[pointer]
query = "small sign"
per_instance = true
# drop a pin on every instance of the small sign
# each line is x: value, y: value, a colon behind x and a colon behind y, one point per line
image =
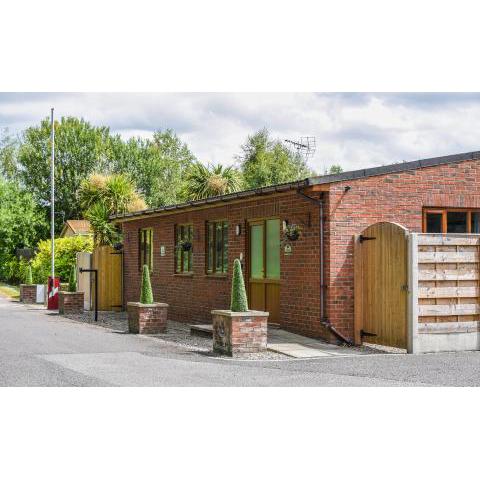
x: 288, y: 249
x: 162, y: 250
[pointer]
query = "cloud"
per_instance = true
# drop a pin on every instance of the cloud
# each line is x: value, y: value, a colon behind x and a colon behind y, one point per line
x: 355, y: 130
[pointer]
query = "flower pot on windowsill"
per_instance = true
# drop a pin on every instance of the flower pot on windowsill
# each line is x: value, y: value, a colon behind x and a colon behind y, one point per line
x: 147, y: 319
x: 235, y: 333
x: 186, y: 246
x: 70, y: 302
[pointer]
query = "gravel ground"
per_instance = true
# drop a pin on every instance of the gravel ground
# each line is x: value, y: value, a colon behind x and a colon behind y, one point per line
x: 177, y: 333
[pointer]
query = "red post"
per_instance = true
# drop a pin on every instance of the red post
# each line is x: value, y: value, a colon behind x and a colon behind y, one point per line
x: 53, y: 288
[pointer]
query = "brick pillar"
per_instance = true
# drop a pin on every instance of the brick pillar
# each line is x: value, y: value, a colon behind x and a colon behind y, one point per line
x: 147, y: 319
x: 70, y: 302
x: 28, y: 293
x: 235, y: 333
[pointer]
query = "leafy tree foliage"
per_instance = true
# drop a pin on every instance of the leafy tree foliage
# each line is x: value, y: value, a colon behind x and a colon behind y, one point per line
x: 334, y: 169
x: 159, y: 166
x: 265, y: 161
x: 80, y: 149
x: 22, y: 224
x: 208, y: 181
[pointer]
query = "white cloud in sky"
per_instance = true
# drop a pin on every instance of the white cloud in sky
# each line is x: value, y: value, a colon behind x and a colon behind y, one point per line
x: 355, y: 130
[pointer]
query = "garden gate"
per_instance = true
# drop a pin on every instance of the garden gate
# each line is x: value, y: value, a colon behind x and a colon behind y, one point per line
x: 108, y: 262
x: 381, y: 285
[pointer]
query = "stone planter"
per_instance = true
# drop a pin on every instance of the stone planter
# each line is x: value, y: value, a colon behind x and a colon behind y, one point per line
x: 28, y: 293
x: 70, y: 302
x: 147, y: 319
x: 239, y: 332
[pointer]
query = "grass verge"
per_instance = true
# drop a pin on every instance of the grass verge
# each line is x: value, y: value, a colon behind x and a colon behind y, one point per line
x: 9, y: 291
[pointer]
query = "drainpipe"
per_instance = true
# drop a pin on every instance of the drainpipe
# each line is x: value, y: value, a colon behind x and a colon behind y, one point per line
x: 323, y: 317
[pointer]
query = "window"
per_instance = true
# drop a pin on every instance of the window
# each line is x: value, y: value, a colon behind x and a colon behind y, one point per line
x: 451, y: 220
x: 217, y: 247
x: 145, y: 248
x: 183, y: 248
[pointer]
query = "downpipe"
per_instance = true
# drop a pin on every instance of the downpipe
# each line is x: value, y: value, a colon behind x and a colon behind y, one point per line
x: 324, y: 321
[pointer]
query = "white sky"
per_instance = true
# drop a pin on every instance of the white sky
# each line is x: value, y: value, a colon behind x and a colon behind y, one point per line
x: 356, y: 130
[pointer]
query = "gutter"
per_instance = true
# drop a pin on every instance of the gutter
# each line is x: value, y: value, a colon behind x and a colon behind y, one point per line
x: 324, y: 321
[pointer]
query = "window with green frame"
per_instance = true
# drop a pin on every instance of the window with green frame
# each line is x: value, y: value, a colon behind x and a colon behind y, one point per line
x: 145, y: 248
x: 217, y: 247
x: 183, y: 248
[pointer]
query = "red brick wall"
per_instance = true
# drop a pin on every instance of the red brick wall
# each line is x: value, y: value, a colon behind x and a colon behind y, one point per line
x: 398, y: 198
x: 191, y: 298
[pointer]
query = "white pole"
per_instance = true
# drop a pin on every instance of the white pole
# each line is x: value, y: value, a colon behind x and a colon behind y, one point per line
x: 52, y: 199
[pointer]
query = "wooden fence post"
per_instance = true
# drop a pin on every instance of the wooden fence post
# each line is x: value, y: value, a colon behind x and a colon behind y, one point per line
x: 412, y: 310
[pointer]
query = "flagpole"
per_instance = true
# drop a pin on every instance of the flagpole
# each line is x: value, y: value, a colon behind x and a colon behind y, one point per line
x: 52, y: 199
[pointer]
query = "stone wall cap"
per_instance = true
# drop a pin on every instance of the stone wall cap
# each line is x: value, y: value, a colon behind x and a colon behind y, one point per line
x: 250, y: 313
x: 66, y: 292
x: 138, y: 304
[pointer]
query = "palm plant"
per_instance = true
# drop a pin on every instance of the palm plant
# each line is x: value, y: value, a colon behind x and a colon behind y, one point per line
x: 102, y: 196
x: 211, y: 180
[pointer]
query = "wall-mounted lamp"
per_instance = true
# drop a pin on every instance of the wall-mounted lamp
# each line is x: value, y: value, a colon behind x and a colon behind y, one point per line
x: 347, y: 188
x: 238, y: 229
x: 284, y: 225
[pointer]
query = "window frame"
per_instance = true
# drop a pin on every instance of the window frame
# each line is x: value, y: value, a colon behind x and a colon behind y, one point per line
x: 444, y: 211
x: 142, y: 250
x: 214, y: 271
x: 178, y: 250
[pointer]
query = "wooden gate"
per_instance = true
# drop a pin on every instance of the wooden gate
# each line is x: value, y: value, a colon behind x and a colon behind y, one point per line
x: 108, y: 263
x: 381, y: 285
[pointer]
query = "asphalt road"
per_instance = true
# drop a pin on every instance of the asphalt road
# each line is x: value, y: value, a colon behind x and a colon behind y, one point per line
x: 38, y: 348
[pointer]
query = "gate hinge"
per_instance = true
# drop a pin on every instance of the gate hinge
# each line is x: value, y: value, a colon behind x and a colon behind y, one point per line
x: 363, y: 333
x: 363, y: 238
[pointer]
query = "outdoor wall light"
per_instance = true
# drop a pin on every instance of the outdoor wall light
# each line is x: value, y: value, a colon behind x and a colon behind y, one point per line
x: 347, y: 188
x: 238, y: 229
x: 284, y: 225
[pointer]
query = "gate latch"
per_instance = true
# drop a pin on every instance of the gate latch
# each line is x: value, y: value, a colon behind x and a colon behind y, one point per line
x: 363, y: 238
x: 363, y: 333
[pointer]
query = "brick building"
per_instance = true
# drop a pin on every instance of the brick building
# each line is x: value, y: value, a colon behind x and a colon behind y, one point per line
x: 307, y: 284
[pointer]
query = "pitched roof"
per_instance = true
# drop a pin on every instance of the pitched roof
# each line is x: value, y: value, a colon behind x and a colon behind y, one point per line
x: 318, y: 180
x: 79, y: 227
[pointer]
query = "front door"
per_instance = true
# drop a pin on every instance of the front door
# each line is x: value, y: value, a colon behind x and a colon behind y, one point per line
x: 264, y: 267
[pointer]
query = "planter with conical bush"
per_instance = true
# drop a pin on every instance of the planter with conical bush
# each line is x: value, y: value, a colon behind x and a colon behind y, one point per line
x: 239, y: 330
x: 146, y: 316
x: 28, y: 290
x: 71, y: 301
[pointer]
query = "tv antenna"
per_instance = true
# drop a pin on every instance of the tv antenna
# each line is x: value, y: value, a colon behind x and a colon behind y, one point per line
x: 304, y: 147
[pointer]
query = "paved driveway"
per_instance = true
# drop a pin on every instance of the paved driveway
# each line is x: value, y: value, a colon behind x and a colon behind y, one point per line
x: 38, y: 348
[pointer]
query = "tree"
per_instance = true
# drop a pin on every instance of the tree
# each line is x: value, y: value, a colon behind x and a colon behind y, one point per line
x: 101, y: 196
x: 265, y: 161
x: 8, y: 153
x: 334, y: 169
x: 212, y: 180
x: 22, y: 224
x: 159, y: 166
x: 80, y: 149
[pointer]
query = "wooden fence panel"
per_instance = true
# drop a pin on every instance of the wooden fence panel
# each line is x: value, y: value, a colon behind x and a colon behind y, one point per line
x: 448, y: 278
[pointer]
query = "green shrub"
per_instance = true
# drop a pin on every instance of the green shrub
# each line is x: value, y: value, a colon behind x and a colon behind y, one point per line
x: 12, y: 269
x: 146, y: 295
x: 238, y: 301
x: 65, y: 257
x: 28, y: 275
x: 72, y: 281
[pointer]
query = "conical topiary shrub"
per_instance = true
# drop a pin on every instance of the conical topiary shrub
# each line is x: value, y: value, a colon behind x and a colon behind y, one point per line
x: 72, y: 281
x: 146, y: 295
x: 238, y: 302
x: 28, y: 275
